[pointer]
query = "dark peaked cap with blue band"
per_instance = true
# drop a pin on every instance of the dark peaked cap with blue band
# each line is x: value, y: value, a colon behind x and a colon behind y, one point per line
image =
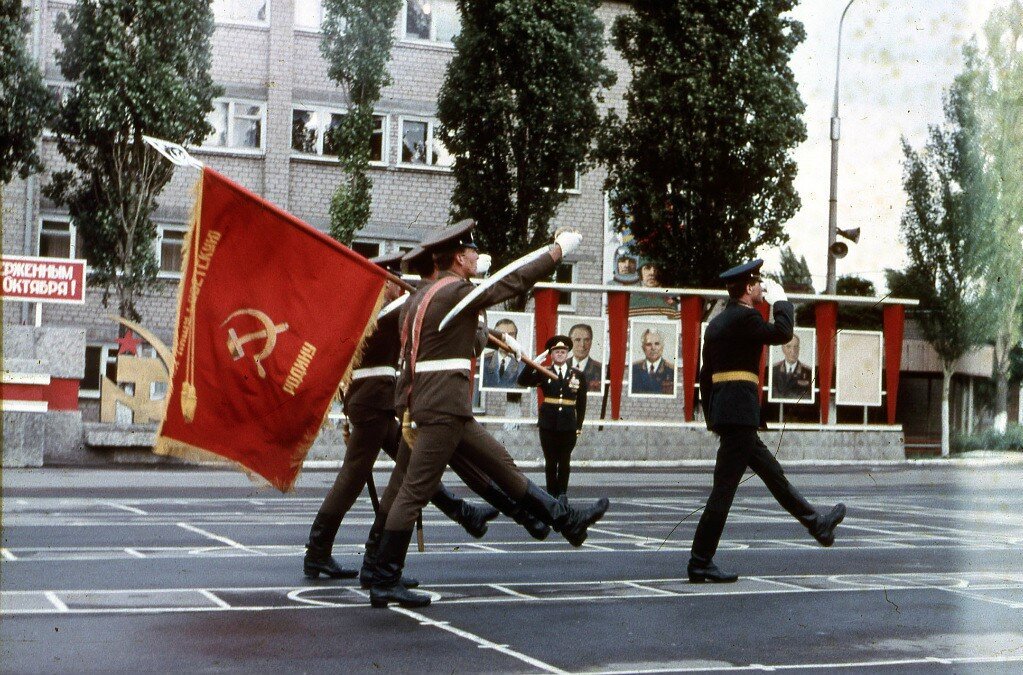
x: 451, y: 238
x: 559, y: 342
x: 744, y: 273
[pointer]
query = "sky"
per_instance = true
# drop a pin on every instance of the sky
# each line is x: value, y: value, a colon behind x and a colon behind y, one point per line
x: 898, y: 58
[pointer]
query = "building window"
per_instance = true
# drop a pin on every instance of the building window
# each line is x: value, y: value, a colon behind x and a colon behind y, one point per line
x: 367, y: 249
x: 59, y: 238
x: 311, y: 132
x: 241, y: 11
x: 421, y: 145
x: 236, y: 124
x: 100, y: 361
x: 170, y: 243
x: 568, y: 181
x: 309, y: 14
x: 431, y: 20
x: 565, y: 274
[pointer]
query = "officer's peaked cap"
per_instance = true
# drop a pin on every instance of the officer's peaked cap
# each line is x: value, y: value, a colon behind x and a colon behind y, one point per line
x: 742, y: 273
x: 450, y: 238
x: 389, y: 261
x: 416, y: 260
x: 558, y: 342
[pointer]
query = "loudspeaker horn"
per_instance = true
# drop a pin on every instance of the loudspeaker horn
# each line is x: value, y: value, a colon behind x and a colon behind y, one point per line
x: 852, y: 235
x: 839, y: 249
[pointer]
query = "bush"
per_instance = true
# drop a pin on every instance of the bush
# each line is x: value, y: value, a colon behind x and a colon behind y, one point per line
x: 1011, y: 440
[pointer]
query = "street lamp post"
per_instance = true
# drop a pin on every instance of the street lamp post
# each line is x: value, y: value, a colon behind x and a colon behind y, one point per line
x: 836, y: 134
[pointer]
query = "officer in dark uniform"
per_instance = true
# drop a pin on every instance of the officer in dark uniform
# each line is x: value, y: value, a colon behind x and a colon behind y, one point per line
x: 438, y: 366
x: 730, y: 395
x: 369, y: 405
x: 562, y: 412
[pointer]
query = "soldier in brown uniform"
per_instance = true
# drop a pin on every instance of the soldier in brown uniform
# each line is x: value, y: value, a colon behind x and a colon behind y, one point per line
x: 439, y: 365
x: 369, y: 405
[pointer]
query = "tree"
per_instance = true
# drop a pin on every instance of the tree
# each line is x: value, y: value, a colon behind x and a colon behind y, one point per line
x: 996, y: 71
x: 136, y: 67
x: 944, y: 185
x: 357, y: 40
x: 26, y: 101
x: 701, y: 162
x: 519, y: 112
x: 857, y: 317
x: 795, y: 273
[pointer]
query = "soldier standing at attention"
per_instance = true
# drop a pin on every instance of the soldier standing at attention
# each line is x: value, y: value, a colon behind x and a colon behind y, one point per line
x: 369, y: 405
x: 561, y: 414
x: 438, y: 365
x: 730, y: 396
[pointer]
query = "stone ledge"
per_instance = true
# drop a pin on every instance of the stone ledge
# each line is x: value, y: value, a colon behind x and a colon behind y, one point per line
x: 100, y: 435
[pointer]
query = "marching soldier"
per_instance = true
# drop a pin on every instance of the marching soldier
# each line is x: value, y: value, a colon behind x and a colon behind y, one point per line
x: 562, y: 413
x: 437, y: 362
x: 369, y: 405
x: 730, y: 396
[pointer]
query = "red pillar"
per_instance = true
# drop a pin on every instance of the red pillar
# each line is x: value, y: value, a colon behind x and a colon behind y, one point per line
x: 827, y: 318
x: 692, y: 313
x: 894, y: 322
x: 618, y: 326
x: 545, y: 321
x: 765, y: 311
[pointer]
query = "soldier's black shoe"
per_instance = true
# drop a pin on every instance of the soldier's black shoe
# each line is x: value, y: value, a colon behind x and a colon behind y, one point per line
x: 823, y: 529
x: 473, y: 518
x: 569, y: 521
x: 386, y: 573
x: 502, y: 502
x: 574, y: 529
x: 700, y: 573
x: 314, y: 565
x: 366, y: 577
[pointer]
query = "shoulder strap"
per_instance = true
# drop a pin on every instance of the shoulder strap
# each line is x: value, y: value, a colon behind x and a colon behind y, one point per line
x: 417, y: 327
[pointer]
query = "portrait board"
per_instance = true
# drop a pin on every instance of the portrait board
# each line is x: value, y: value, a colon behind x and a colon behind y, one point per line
x: 595, y: 349
x: 792, y: 369
x: 859, y: 362
x: 653, y: 357
x: 497, y: 371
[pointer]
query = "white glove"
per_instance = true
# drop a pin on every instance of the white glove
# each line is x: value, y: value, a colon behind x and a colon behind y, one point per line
x: 568, y: 241
x: 483, y: 264
x: 513, y: 345
x: 773, y: 292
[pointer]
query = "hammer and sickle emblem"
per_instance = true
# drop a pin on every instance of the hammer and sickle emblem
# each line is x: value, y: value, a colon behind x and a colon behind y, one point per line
x: 236, y: 344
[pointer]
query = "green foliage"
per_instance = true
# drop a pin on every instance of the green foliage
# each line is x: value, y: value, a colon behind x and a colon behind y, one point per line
x: 26, y: 103
x: 857, y: 317
x: 794, y: 276
x: 713, y: 113
x: 357, y: 41
x: 136, y: 67
x: 944, y: 214
x: 1011, y: 440
x: 519, y: 111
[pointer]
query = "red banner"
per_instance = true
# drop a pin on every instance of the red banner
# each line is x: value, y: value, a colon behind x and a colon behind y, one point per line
x: 271, y: 314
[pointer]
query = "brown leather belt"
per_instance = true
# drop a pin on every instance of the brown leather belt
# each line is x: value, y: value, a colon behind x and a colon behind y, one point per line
x: 559, y: 401
x: 735, y: 376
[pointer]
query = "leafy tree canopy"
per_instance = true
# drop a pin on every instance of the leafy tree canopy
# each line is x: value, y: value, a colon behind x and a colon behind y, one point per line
x: 700, y: 169
x: 519, y: 111
x: 135, y: 67
x: 26, y: 103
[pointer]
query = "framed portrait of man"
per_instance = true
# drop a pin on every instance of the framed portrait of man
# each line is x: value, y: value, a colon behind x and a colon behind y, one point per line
x: 859, y: 361
x: 499, y: 371
x: 792, y: 369
x: 589, y: 347
x: 653, y: 353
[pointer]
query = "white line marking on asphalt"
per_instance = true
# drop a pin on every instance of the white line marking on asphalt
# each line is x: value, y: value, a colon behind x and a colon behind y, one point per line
x: 482, y: 642
x: 775, y: 581
x: 133, y: 553
x: 648, y: 589
x: 55, y: 601
x: 601, y: 530
x: 597, y: 548
x: 217, y: 537
x: 124, y: 507
x: 509, y: 591
x: 219, y: 602
x: 819, y: 666
x: 7, y: 555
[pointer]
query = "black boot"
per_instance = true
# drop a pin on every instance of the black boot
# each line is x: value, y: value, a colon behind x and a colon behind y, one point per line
x: 473, y: 518
x: 823, y: 527
x: 705, y: 571
x: 317, y: 551
x: 506, y: 505
x: 569, y: 521
x: 369, y: 558
x: 390, y: 560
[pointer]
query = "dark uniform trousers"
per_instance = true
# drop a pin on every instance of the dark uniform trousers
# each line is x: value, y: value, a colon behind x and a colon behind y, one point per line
x: 740, y: 448
x: 557, y: 453
x: 373, y: 429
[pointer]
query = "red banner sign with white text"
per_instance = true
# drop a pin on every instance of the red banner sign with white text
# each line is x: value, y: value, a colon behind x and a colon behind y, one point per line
x: 35, y: 279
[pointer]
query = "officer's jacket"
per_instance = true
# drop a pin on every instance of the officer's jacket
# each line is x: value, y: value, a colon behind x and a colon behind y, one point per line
x: 732, y: 345
x: 380, y: 351
x: 555, y: 414
x: 449, y: 391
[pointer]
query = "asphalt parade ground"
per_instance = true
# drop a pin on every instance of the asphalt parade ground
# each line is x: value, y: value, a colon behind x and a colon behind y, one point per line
x: 143, y: 570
